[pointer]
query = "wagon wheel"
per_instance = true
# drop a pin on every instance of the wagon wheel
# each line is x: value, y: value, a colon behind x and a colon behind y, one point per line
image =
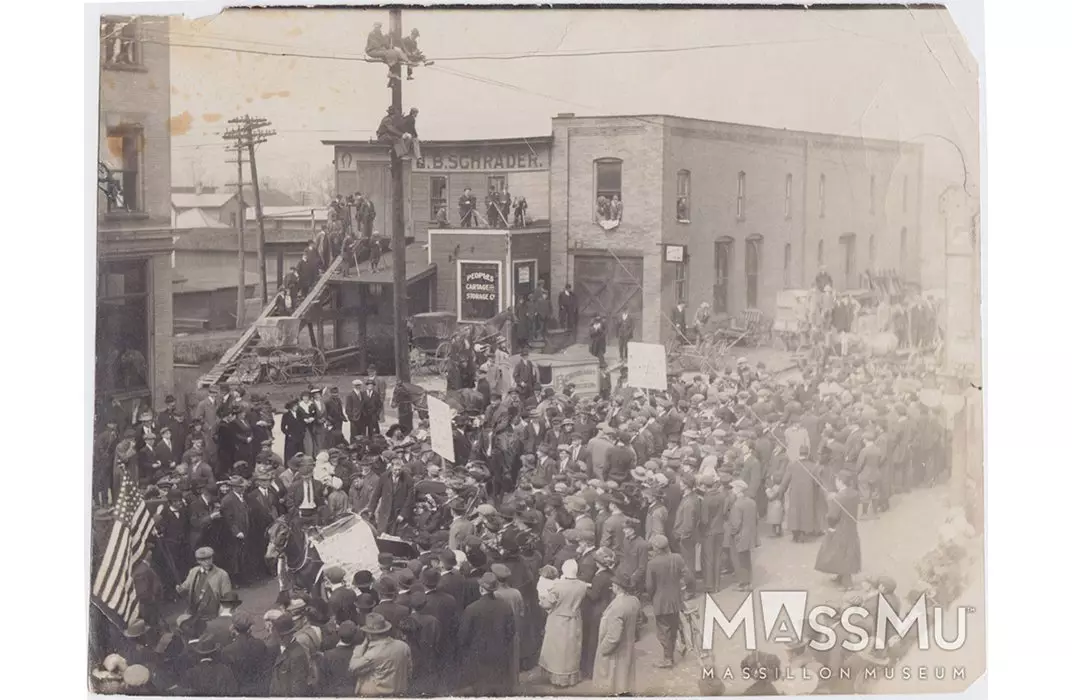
x: 277, y: 367
x: 318, y: 363
x: 442, y: 359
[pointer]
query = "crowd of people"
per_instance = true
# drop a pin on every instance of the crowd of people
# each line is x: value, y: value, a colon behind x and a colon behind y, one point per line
x: 565, y: 525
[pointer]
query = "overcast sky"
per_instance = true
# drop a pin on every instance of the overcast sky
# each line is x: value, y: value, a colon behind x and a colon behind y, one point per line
x: 894, y: 73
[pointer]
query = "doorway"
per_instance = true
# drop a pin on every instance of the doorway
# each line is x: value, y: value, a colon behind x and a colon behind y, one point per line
x: 525, y: 275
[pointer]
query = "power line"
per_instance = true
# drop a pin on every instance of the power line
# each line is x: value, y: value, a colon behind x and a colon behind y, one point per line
x: 500, y: 57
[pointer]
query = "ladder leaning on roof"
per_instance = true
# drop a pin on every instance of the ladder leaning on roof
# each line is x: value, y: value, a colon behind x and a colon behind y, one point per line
x: 226, y: 364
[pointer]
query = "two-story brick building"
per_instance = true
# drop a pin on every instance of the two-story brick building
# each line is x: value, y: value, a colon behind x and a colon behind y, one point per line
x: 725, y: 213
x: 134, y: 234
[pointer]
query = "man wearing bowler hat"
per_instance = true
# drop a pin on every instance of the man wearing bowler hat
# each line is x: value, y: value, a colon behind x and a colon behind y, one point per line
x: 381, y: 664
x: 209, y: 677
x: 486, y: 642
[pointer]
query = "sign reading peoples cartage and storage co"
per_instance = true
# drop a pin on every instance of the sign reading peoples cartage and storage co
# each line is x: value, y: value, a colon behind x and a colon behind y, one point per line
x: 479, y: 291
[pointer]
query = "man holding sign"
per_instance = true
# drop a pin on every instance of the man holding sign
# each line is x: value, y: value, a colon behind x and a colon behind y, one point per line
x: 647, y: 366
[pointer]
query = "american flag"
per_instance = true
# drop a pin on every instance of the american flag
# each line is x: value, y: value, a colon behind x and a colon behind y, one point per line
x: 113, y: 586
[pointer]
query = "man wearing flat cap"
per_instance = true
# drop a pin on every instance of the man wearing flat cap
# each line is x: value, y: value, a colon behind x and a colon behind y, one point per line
x: 486, y: 641
x: 204, y: 585
x: 249, y: 657
x: 236, y: 532
x: 666, y: 574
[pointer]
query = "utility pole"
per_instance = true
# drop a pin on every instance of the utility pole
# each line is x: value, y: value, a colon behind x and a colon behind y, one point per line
x: 250, y: 132
x: 398, y: 237
x: 241, y: 312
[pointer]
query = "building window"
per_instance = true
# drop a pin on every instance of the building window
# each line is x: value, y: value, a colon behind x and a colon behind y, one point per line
x: 120, y: 42
x: 848, y: 259
x: 819, y: 257
x: 904, y: 195
x: 871, y: 253
x: 684, y: 187
x: 723, y: 264
x: 753, y: 264
x: 789, y: 196
x: 123, y: 161
x: 122, y: 341
x: 438, y: 196
x: 787, y: 267
x: 740, y: 196
x: 822, y: 195
x: 608, y: 199
x: 234, y: 220
x: 681, y: 282
x: 871, y: 195
x: 904, y: 251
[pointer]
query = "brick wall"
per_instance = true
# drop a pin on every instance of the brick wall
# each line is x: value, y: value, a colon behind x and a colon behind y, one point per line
x: 140, y: 96
x: 577, y: 144
x: 714, y: 155
x: 448, y: 248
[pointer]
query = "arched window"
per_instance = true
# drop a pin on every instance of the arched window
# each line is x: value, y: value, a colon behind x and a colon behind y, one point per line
x: 819, y: 255
x: 723, y: 265
x: 787, y: 267
x: 684, y: 190
x: 607, y: 202
x: 753, y: 265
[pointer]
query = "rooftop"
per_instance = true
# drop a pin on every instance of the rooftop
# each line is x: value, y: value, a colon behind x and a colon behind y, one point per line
x: 292, y: 212
x: 417, y: 267
x: 512, y: 141
x: 197, y: 218
x: 205, y: 200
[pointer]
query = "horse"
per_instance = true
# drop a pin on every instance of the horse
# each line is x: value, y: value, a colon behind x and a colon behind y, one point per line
x: 461, y: 400
x: 299, y: 564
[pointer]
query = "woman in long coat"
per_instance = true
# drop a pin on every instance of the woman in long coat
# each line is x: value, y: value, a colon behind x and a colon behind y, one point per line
x: 803, y: 504
x: 615, y: 667
x: 840, y: 552
x: 560, y: 656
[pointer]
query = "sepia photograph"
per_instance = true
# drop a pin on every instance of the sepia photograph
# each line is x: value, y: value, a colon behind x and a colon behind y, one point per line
x: 536, y: 351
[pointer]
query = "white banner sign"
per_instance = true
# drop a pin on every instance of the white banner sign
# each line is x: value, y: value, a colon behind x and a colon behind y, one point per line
x: 351, y: 545
x: 439, y: 419
x: 647, y: 366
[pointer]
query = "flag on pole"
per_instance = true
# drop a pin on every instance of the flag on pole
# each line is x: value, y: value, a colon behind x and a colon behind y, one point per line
x: 113, y: 587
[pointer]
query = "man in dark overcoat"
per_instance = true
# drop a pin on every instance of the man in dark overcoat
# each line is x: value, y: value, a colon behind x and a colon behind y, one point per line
x: 486, y: 641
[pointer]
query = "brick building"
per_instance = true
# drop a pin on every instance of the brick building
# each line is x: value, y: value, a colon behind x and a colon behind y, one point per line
x: 134, y: 234
x: 725, y: 213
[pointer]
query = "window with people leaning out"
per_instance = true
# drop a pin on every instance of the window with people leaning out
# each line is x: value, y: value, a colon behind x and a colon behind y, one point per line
x: 608, y: 187
x: 120, y: 44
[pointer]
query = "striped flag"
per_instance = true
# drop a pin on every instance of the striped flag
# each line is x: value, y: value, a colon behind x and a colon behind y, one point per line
x: 113, y: 587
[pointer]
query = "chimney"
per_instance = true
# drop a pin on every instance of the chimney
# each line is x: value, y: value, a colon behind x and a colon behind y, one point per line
x: 565, y: 115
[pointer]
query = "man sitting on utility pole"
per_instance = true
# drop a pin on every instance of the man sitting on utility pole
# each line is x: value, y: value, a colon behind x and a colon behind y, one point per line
x: 378, y: 47
x: 414, y: 56
x: 392, y: 130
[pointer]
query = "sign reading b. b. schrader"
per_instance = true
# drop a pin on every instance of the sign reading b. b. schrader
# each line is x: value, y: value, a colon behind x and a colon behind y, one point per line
x: 647, y: 366
x: 483, y: 158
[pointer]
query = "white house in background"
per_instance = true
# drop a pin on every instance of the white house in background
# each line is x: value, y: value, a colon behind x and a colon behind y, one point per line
x: 205, y: 209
